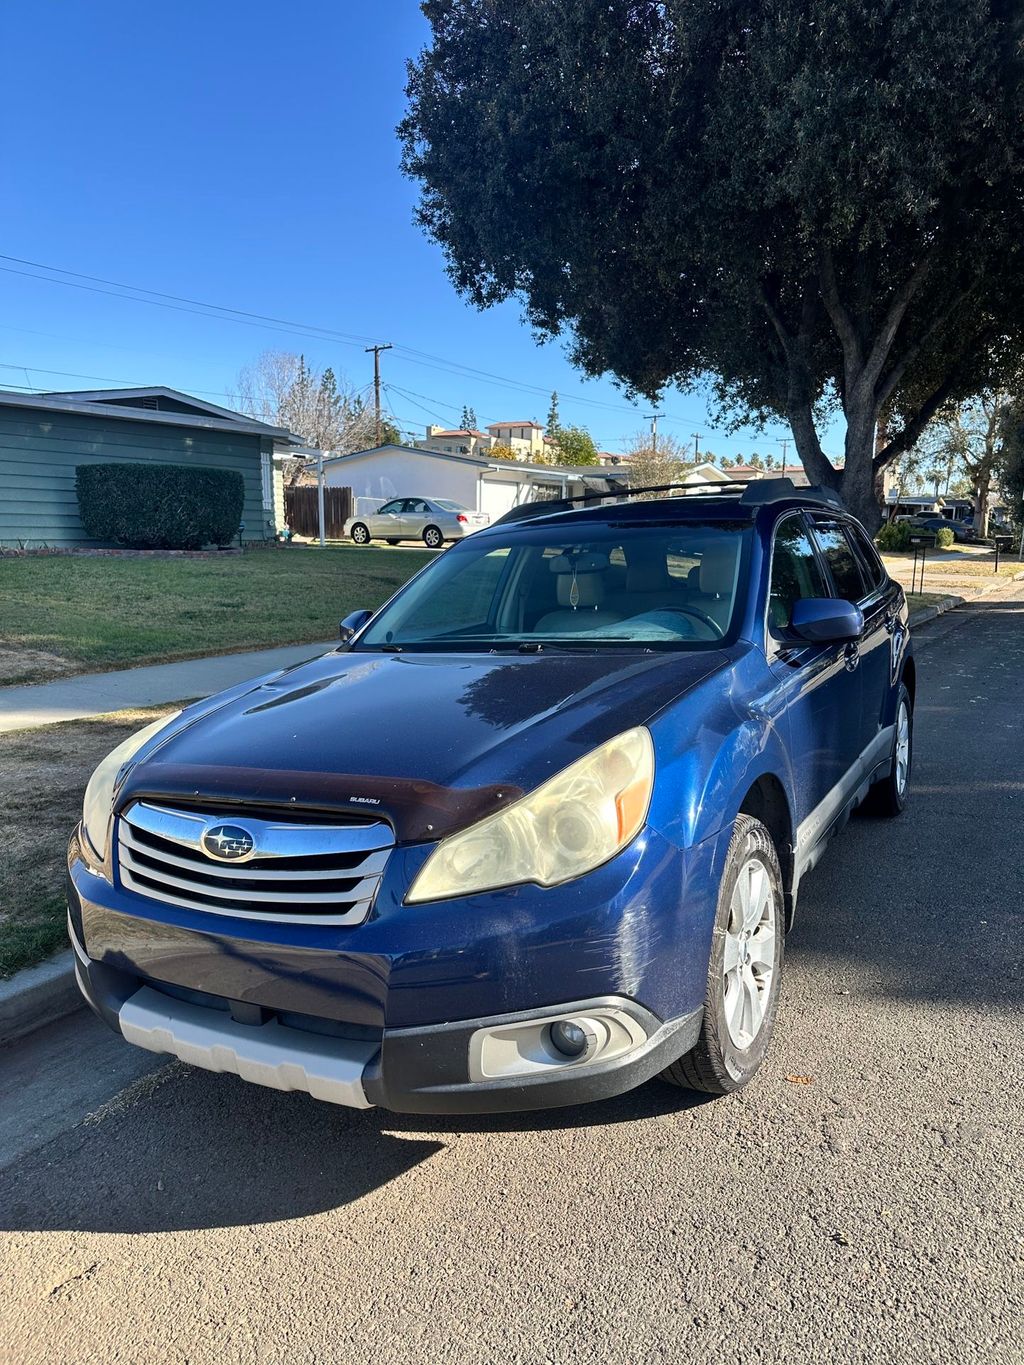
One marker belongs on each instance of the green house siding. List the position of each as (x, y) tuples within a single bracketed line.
[(39, 451)]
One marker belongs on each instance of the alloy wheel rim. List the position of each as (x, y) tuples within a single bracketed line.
[(432, 539), (902, 748), (749, 962)]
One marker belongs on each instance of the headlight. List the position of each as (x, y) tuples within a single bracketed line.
[(99, 794), (573, 823)]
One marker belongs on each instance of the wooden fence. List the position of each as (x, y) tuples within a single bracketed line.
[(302, 516)]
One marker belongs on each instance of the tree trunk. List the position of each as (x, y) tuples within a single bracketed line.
[(860, 485), (981, 509)]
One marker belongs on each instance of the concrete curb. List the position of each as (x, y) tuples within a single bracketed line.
[(924, 614), (38, 996)]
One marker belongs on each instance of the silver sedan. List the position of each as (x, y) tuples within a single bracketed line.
[(431, 520)]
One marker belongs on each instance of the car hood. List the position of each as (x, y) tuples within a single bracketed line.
[(429, 741)]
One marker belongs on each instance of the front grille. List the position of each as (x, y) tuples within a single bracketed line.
[(318, 873)]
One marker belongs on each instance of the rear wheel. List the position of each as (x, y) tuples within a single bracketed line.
[(745, 970), (360, 534), (889, 797), (432, 538)]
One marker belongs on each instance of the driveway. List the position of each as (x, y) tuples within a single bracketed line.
[(860, 1202)]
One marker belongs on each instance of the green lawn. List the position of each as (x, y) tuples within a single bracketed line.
[(64, 614)]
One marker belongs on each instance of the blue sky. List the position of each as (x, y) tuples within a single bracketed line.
[(244, 154)]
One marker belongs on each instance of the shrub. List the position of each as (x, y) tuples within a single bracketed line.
[(944, 538), (159, 506), (894, 535)]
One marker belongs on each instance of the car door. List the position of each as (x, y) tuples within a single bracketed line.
[(386, 522), (871, 654), (822, 693), (416, 517), (881, 646)]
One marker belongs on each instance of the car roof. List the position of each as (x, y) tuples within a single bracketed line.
[(696, 504)]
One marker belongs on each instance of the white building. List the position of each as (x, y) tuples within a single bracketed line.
[(477, 483)]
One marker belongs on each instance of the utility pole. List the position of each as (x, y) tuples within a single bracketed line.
[(784, 443), (376, 380), (653, 419), (696, 446)]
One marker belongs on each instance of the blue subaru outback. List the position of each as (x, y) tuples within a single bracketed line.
[(532, 835)]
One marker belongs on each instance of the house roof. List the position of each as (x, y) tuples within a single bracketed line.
[(424, 453), (434, 435), (127, 405), (492, 426)]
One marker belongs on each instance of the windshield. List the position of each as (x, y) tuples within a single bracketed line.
[(672, 587)]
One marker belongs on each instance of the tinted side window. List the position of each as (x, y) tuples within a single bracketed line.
[(795, 572), (392, 506), (842, 562), (873, 566)]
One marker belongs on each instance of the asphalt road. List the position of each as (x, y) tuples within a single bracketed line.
[(151, 1213)]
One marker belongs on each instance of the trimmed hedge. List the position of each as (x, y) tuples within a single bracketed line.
[(159, 506)]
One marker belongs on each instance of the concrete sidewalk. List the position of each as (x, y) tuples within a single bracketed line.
[(97, 694)]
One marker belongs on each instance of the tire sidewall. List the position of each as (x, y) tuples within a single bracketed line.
[(900, 799), (737, 1066), (433, 544), (360, 534)]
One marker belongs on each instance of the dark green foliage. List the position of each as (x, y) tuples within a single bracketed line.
[(159, 506), (893, 535), (817, 203), (1011, 469)]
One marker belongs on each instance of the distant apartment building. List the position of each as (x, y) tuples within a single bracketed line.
[(525, 439), (459, 442)]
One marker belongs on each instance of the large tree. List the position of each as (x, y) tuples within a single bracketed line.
[(817, 204)]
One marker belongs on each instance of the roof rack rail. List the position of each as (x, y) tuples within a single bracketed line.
[(748, 492)]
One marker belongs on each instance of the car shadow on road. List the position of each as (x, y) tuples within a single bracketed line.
[(183, 1149)]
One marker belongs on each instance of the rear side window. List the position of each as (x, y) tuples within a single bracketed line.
[(873, 567), (843, 564), (795, 572)]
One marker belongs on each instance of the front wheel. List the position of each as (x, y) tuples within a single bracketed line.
[(432, 538), (360, 534), (745, 969), (889, 796)]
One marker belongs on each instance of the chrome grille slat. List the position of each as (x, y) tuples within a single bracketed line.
[(161, 856), (373, 863)]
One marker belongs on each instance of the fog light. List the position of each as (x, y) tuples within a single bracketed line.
[(573, 1039)]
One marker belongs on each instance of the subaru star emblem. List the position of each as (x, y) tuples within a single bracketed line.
[(228, 843)]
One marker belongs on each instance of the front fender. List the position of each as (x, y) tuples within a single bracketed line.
[(706, 767)]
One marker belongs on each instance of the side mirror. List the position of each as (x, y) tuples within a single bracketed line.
[(826, 620), (353, 623)]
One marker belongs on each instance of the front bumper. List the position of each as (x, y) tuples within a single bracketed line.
[(419, 1070), (385, 1012)]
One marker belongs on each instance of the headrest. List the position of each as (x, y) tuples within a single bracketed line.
[(718, 569), (647, 575), (585, 590), (585, 563)]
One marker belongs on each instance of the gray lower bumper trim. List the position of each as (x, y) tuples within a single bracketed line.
[(283, 1058)]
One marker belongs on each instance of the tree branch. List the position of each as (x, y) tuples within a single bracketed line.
[(853, 360), (892, 379), (897, 310), (904, 439)]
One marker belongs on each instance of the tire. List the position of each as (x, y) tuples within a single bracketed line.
[(432, 538), (888, 798), (361, 534), (392, 542), (733, 1041)]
